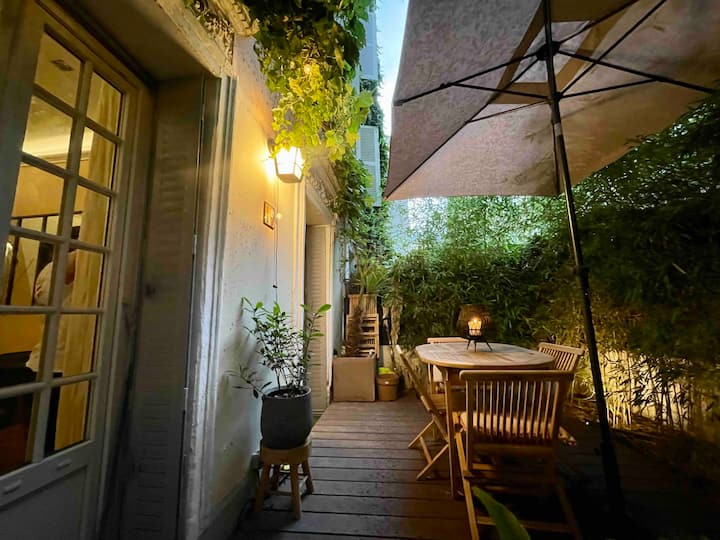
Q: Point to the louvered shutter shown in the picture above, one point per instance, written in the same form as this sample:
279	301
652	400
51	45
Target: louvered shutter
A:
369	54
316	294
158	401
368	151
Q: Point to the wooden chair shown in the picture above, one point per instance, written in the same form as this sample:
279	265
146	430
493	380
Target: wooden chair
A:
435	406
509	439
434	375
566	358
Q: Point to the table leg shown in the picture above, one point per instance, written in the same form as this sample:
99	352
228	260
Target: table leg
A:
452	453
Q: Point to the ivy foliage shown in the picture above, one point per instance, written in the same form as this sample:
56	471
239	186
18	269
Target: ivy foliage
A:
308	51
364	225
650	227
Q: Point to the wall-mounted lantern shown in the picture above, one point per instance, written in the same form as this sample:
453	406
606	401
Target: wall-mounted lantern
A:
289	164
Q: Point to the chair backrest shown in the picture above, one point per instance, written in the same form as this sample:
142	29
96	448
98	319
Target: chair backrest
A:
518	408
566	358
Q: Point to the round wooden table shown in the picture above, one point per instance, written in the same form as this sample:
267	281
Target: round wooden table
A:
451	358
457	356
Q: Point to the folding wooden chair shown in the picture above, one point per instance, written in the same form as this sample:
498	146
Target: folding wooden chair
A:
435	405
509	439
434	375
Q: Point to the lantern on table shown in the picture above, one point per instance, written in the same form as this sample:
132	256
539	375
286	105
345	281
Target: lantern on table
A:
475	324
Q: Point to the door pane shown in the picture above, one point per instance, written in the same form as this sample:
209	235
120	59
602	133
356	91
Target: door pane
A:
27	272
100	155
15	414
104	104
58	70
20	347
85	269
38	193
47	134
91	213
75	344
68	416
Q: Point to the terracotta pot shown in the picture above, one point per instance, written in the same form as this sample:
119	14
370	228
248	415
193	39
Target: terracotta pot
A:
387	386
285	422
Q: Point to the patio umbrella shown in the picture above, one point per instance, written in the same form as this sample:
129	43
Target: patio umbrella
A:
511	97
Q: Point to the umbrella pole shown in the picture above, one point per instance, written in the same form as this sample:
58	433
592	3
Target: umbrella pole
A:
616	498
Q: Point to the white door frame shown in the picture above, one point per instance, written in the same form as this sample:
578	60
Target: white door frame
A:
206	310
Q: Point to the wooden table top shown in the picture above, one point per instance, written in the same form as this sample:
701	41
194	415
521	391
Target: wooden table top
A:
503	356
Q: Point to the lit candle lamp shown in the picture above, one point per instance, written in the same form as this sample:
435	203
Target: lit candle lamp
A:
475	327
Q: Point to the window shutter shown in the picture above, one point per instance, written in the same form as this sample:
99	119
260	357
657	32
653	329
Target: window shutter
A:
368	54
316	294
158	400
368	152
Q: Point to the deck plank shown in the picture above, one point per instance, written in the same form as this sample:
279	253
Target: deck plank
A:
352	436
283	535
408	490
366	475
351	451
407	432
376	506
319	442
380	464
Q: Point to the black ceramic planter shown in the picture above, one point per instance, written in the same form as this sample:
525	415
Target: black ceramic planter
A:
285	422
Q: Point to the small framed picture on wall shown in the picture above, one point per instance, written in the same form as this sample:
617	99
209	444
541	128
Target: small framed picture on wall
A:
268	215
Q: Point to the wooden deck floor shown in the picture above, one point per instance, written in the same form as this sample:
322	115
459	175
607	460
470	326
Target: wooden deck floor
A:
365	485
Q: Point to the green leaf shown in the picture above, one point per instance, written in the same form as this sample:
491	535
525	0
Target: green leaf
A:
365	99
507	525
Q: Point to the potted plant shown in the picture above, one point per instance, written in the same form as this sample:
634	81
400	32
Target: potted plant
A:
369	279
354	370
286	417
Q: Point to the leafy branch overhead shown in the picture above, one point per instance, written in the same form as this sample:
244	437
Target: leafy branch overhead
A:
309	51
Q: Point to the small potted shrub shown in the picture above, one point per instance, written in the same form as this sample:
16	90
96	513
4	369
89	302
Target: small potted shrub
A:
286	417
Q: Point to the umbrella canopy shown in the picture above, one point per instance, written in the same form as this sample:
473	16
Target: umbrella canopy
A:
471	114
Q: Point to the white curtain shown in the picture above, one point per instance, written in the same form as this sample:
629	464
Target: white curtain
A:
80	338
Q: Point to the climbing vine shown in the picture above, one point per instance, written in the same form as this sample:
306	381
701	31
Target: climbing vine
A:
308	51
364	224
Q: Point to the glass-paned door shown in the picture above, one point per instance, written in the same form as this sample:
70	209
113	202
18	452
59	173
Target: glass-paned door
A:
60	265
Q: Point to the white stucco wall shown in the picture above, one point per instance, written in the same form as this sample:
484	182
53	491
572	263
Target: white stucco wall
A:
251	262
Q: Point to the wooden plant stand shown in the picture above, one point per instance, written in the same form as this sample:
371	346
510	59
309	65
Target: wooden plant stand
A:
272	459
